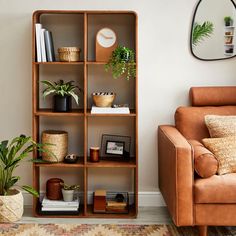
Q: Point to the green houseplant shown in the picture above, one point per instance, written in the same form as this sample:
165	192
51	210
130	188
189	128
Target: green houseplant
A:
11	154
200	32
122	62
63	92
228	21
68	191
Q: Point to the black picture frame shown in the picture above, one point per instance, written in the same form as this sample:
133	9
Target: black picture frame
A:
108	139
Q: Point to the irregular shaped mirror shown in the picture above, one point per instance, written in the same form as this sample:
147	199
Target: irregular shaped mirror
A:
213	30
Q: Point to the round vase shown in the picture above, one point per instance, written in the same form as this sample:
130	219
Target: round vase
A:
11	206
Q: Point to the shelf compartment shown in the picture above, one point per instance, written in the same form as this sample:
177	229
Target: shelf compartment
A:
131	214
113	164
50	112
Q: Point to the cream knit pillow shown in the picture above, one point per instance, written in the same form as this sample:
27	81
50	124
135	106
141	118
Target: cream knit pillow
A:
221	126
224	150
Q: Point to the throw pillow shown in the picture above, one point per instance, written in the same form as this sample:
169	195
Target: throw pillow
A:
205	163
224	150
221	126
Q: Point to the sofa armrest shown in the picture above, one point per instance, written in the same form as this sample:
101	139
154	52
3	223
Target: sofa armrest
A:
176	174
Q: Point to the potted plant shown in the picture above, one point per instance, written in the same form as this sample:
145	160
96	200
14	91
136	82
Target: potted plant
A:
63	91
68	191
228	21
11	154
122	62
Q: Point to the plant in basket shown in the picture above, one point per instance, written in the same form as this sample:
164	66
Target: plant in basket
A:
63	92
122	62
11	154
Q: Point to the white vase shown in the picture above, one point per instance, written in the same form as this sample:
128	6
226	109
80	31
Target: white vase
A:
11	206
68	195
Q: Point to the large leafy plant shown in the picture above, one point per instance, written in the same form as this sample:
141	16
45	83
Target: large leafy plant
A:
61	88
11	154
122	62
200	32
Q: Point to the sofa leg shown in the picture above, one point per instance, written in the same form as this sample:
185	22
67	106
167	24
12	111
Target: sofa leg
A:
202	230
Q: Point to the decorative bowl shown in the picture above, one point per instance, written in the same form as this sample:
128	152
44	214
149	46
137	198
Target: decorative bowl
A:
103	99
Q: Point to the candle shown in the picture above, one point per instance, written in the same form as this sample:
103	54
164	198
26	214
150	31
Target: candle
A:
94	154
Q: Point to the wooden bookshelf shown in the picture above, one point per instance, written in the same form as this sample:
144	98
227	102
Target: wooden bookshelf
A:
73	28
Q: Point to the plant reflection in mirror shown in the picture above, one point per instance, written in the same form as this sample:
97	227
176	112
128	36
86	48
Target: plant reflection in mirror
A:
200	32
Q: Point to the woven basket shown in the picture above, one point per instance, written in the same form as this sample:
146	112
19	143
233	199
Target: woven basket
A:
69	54
103	99
11	206
59	139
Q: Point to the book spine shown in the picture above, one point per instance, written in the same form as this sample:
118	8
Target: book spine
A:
44	59
38	28
50	53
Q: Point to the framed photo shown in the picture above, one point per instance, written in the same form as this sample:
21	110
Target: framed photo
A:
115	146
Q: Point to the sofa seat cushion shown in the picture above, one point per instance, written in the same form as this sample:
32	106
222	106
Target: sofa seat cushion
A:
216	189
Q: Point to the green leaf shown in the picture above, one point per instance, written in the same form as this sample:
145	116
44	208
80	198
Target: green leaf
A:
12	181
30	190
200	32
75	96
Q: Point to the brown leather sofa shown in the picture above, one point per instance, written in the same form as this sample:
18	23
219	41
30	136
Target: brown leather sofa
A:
191	200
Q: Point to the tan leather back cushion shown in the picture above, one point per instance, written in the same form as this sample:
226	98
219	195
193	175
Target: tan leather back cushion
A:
190	120
213	96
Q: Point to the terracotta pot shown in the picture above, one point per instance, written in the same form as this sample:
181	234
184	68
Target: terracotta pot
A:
11	206
53	189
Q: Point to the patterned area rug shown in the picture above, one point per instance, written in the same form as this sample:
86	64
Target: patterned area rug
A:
107	230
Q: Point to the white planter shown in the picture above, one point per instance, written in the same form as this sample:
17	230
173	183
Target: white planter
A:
68	195
11	206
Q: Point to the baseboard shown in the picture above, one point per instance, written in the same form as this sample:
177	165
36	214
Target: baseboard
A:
145	198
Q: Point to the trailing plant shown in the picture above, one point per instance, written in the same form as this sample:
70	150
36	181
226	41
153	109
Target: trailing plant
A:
61	88
200	32
11	154
228	20
122	62
69	187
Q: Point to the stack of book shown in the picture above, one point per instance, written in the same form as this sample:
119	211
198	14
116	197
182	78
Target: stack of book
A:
44	44
60	205
110	110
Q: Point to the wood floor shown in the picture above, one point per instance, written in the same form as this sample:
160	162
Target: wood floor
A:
147	215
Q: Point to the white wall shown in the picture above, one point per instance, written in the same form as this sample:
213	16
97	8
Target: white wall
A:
166	69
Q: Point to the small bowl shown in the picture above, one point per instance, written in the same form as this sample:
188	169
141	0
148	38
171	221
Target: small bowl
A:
103	99
71	158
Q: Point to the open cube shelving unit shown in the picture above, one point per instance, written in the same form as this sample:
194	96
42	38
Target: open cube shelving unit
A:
78	28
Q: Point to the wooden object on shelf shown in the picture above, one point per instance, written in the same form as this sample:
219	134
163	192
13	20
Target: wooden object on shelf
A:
99	201
103	100
88	27
53	189
106	43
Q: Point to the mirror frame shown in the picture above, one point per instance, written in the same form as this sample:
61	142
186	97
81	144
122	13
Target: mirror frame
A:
191	35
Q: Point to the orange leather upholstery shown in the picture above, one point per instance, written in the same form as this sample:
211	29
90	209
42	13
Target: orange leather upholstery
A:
190	120
216	189
213	96
208	201
205	163
176	174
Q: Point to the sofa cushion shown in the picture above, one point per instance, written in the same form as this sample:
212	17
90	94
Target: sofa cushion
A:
221	126
190	120
205	163
216	189
224	150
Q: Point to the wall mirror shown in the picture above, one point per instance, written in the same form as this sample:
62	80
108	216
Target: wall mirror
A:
213	30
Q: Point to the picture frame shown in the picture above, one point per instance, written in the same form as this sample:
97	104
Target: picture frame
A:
115	147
